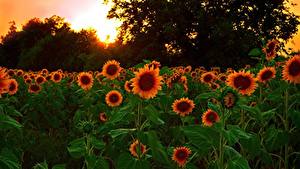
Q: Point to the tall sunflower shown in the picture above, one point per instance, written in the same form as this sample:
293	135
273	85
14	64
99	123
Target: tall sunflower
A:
113	98
266	74
208	77
111	69
291	70
137	149
13	87
85	80
147	82
210	117
181	155
243	82
183	106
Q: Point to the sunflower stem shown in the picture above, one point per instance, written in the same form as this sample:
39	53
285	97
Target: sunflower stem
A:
286	126
221	158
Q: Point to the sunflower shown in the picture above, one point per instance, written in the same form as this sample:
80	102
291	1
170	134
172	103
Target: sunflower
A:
266	74
113	98
193	74
44	72
111	69
291	70
13	87
207	77
128	86
28	81
4	86
147	82
270	49
56	77
85	80
154	64
214	86
242	81
40	79
222	77
11	72
102	117
183	106
137	149
188	69
181	155
229	98
20	73
210	117
34	88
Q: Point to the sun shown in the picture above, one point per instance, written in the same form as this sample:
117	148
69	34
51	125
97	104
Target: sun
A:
95	17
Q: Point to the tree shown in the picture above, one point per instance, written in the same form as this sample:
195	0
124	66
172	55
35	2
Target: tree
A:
201	32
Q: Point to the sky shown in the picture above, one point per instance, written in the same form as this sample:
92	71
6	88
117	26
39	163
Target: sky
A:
80	13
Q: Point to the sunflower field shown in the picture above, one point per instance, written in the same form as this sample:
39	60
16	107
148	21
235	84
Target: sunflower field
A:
153	117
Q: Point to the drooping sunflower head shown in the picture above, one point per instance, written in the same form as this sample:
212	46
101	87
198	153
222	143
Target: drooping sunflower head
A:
40	79
266	74
229	98
208	77
111	69
56	77
291	70
210	117
181	155
128	86
13	87
271	49
137	149
243	82
102	117
183	106
85	80
34	88
147	82
113	98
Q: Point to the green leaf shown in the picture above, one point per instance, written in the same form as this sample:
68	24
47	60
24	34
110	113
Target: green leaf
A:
153	115
94	162
238	163
98	144
255	52
42	165
77	148
158	151
8	159
118	132
204	138
6	122
275	139
59	166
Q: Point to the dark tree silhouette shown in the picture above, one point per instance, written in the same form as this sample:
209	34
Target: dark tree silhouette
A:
201	32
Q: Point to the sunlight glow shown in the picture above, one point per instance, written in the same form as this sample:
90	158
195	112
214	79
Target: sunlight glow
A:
95	18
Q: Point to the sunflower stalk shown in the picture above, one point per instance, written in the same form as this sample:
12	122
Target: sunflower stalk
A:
286	126
221	144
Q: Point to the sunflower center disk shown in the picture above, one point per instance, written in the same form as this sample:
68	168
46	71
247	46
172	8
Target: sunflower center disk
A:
12	87
146	82
207	78
181	155
242	82
39	80
114	98
294	68
183	106
266	75
211	117
35	88
112	69
85	80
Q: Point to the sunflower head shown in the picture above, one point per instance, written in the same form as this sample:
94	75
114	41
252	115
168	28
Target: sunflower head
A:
271	49
40	79
102	117
113	98
34	88
20	73
147	82
128	86
183	106
291	70
85	80
208	77
137	149
111	69
56	77
266	74
210	117
243	82
13	87
181	155
229	98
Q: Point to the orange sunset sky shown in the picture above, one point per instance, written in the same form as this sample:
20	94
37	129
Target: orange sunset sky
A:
80	13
